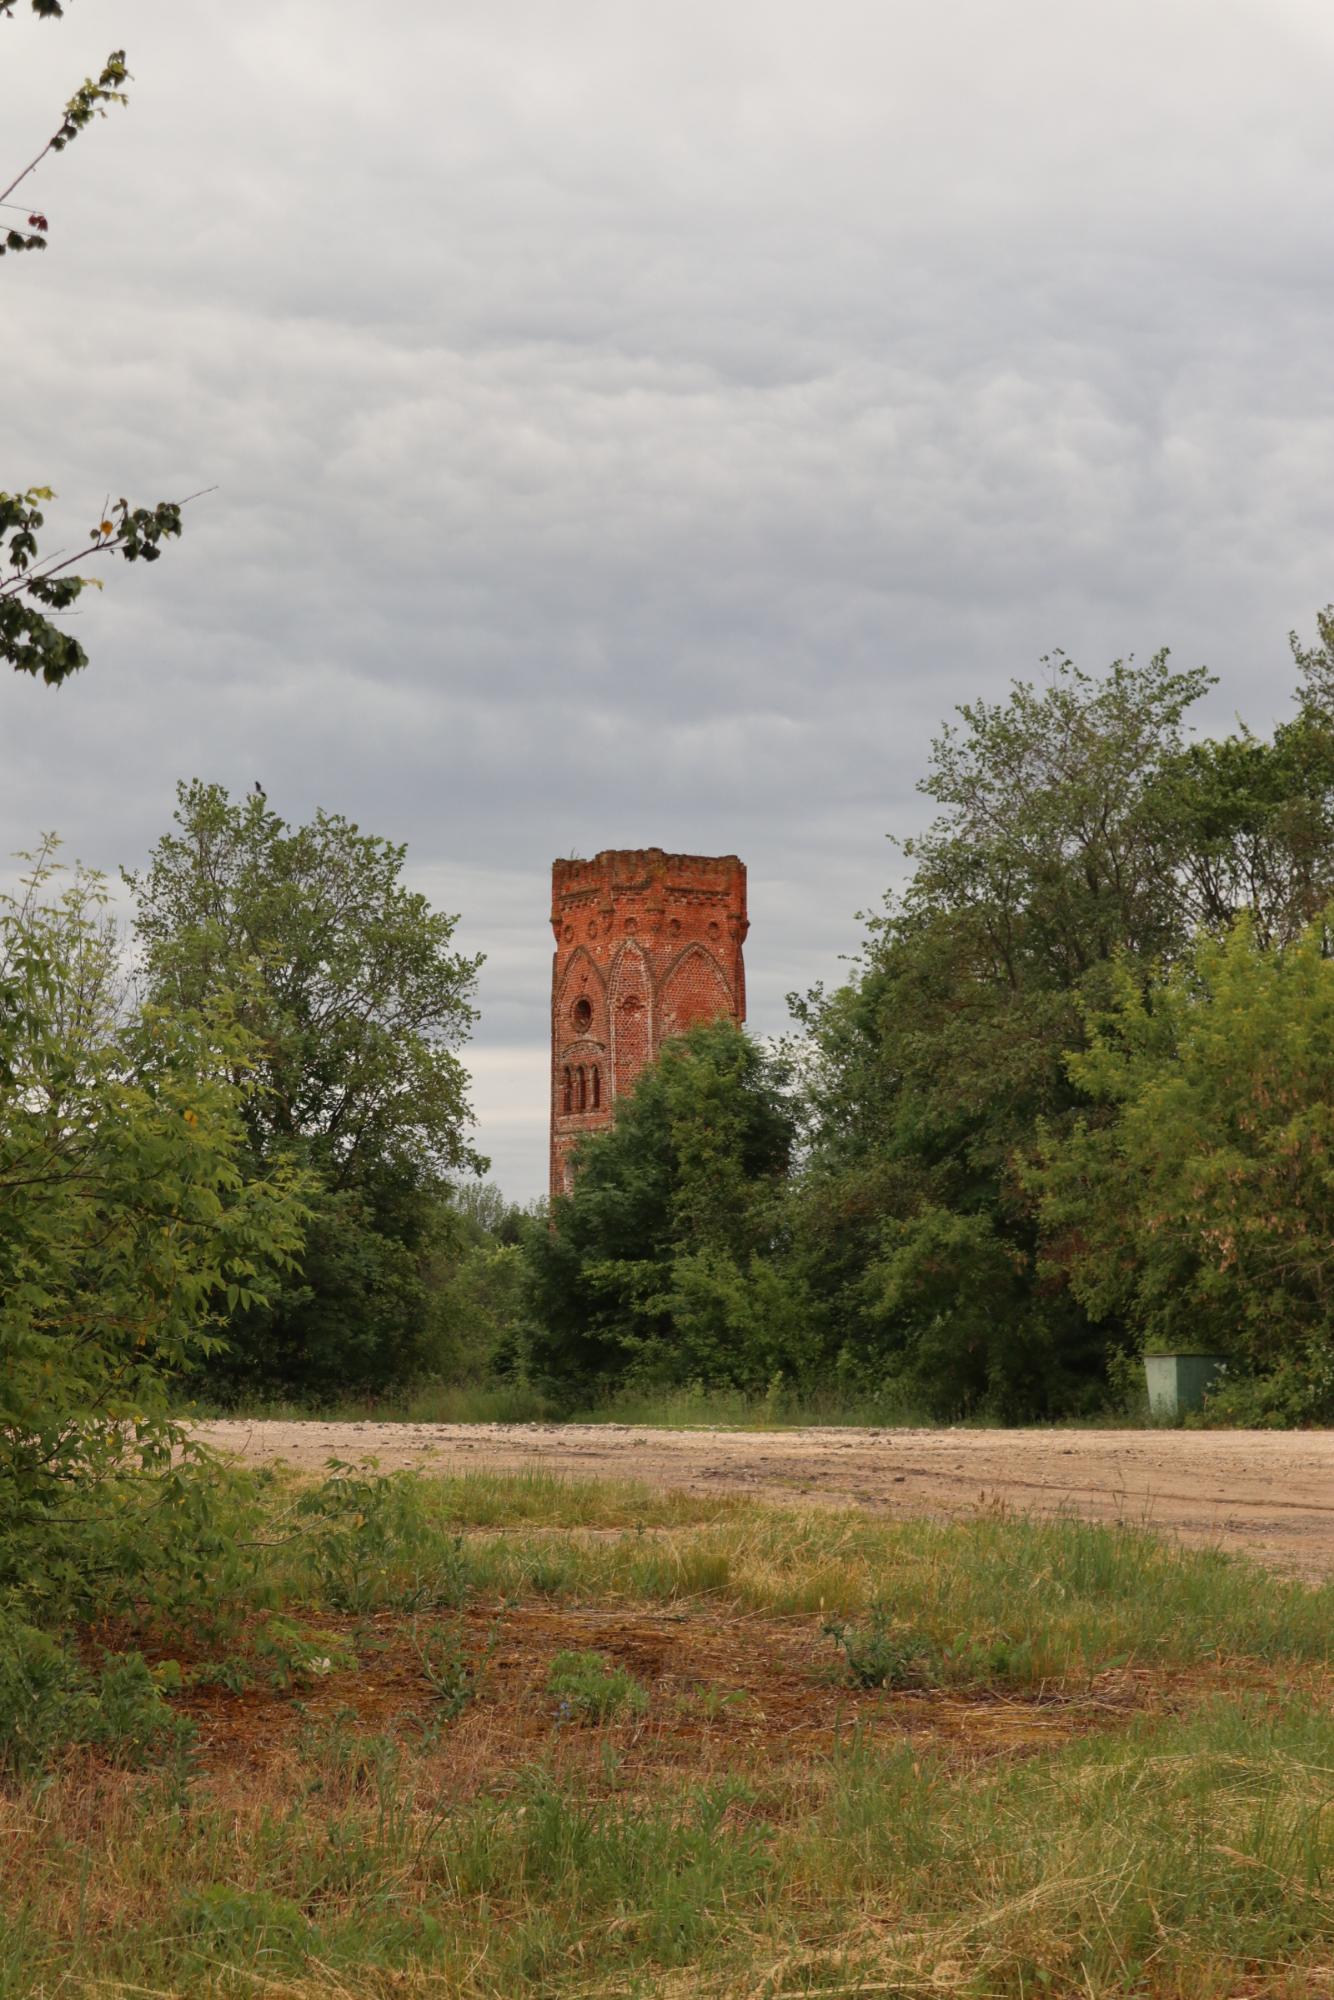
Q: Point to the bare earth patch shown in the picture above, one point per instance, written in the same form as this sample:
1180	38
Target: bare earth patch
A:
1268	1495
745	1696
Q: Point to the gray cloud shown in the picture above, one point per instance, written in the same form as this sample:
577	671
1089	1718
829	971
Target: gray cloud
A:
641	425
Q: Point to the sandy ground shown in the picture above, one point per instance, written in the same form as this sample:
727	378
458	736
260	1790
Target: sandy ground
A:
1265	1494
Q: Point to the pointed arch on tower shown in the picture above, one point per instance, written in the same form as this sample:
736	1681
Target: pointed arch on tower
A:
580	1006
580	960
694	988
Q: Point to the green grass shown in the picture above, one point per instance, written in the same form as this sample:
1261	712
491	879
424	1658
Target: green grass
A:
588	1687
696	1407
426	1403
599	1832
693	1407
998	1599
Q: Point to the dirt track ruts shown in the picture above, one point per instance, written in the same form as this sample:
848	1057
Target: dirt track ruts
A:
1265	1494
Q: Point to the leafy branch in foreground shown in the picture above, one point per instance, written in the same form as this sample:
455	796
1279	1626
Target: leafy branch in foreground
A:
88	102
34	591
29	638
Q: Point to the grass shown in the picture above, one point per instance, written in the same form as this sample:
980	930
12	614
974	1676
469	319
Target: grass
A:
693	1407
1000	1597
427	1403
696	1407
487	1737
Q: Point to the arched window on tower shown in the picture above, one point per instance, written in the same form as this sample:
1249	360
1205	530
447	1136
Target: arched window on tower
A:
567	1093
597	1088
583	1088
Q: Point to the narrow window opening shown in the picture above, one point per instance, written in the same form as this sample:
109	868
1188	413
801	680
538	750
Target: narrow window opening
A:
568	1092
597	1088
583	1088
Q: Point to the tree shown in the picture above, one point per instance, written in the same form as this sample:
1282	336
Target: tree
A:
34	589
662	1261
130	1215
357	1004
1200	1213
928	1072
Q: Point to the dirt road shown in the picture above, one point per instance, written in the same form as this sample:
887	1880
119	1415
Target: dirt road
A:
1266	1494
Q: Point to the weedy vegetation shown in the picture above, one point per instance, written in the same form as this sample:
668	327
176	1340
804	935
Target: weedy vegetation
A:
486	1736
589	1688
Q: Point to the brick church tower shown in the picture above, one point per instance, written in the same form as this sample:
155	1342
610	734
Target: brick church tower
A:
647	944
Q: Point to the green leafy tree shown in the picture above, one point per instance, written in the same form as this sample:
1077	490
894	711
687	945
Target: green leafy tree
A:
927	1073
357	1003
663	1261
35	590
1200	1213
131	1217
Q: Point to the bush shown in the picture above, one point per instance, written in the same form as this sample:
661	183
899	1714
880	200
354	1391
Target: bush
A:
48	1701
1298	1390
377	1551
128	1219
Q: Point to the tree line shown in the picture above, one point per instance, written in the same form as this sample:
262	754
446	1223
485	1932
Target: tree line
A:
1072	1101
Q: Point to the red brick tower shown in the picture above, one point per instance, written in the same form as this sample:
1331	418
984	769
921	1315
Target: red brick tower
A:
647	944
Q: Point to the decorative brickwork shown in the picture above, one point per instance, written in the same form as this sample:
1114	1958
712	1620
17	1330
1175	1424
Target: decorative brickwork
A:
647	944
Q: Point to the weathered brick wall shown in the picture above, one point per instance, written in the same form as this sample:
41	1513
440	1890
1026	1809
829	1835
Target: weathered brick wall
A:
647	944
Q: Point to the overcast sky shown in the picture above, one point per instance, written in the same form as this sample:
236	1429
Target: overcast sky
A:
641	424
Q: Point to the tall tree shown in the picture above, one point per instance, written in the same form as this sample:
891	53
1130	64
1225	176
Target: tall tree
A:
1083	843
1051	855
357	1004
661	1262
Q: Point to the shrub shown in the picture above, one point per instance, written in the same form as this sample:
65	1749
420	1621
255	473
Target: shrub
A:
879	1654
128	1218
377	1551
49	1701
589	1688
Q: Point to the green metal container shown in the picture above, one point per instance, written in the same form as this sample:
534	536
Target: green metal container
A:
1179	1383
